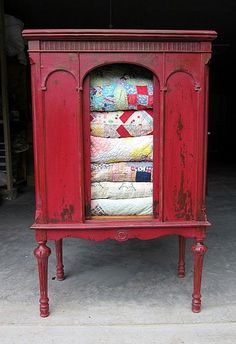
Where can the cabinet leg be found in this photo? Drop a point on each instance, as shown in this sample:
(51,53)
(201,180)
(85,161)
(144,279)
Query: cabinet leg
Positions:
(181,262)
(42,252)
(198,249)
(60,266)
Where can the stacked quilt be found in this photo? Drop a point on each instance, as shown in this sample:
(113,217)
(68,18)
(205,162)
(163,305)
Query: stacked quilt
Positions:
(121,87)
(120,190)
(121,102)
(122,123)
(121,149)
(122,171)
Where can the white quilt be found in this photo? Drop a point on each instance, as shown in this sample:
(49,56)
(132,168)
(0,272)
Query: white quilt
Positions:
(121,149)
(122,190)
(131,206)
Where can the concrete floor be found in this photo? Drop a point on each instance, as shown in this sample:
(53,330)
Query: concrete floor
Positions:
(120,293)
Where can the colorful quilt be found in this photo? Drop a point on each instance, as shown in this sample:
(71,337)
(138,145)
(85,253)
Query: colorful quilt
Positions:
(121,123)
(122,171)
(122,190)
(121,87)
(132,206)
(121,149)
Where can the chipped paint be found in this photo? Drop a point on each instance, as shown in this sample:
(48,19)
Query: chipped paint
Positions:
(182,157)
(183,208)
(67,213)
(181,193)
(180,127)
(155,207)
(88,210)
(55,220)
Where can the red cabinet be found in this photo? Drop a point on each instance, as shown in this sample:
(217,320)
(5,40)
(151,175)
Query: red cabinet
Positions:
(61,65)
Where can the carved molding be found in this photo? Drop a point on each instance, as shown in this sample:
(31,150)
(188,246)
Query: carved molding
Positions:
(121,235)
(123,46)
(199,248)
(207,59)
(46,77)
(31,60)
(197,87)
(42,251)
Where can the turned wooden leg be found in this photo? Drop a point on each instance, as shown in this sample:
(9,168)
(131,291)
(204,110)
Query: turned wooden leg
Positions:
(42,252)
(198,249)
(60,266)
(181,262)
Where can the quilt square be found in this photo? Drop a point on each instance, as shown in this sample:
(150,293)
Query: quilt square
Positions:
(132,99)
(142,100)
(142,90)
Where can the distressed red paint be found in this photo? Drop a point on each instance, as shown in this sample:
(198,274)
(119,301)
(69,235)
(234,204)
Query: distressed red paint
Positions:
(61,61)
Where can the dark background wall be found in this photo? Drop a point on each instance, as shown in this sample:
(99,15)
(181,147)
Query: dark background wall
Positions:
(152,14)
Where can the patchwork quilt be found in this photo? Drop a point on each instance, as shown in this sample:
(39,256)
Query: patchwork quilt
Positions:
(121,87)
(121,149)
(122,190)
(140,171)
(132,206)
(121,123)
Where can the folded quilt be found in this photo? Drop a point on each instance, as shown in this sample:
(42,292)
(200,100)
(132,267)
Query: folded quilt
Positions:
(122,171)
(120,87)
(121,149)
(122,190)
(132,206)
(121,123)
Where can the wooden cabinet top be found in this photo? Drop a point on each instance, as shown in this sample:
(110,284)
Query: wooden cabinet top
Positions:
(106,40)
(118,34)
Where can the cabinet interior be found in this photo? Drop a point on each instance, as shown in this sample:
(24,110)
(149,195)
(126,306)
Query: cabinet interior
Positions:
(122,119)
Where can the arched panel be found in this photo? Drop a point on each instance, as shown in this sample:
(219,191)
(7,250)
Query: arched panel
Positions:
(180,147)
(62,150)
(152,62)
(44,81)
(54,62)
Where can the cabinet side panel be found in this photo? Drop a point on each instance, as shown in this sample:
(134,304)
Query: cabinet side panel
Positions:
(62,150)
(180,143)
(39,169)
